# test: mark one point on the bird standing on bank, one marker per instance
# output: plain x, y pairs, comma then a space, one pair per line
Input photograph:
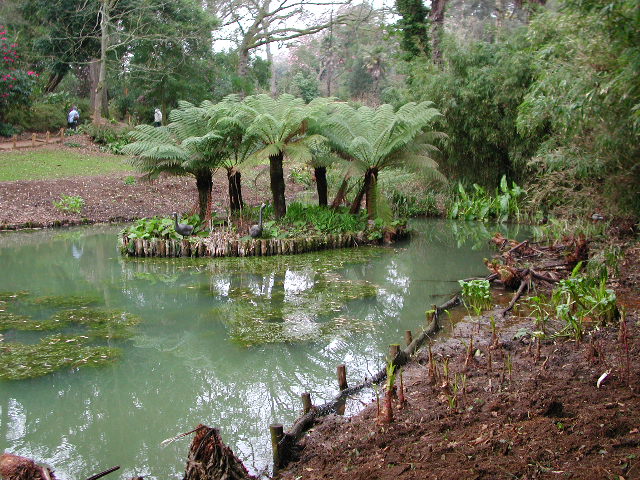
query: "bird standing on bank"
256, 230
182, 228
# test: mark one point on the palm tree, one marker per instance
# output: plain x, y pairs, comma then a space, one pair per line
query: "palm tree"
279, 125
187, 146
376, 139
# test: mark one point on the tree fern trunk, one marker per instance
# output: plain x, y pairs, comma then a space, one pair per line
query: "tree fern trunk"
235, 189
357, 202
342, 193
276, 174
321, 184
204, 183
372, 192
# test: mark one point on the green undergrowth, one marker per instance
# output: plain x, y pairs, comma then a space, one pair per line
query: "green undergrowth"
77, 326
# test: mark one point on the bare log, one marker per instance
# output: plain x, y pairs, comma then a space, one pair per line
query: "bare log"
523, 286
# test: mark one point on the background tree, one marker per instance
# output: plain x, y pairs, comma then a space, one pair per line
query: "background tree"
264, 22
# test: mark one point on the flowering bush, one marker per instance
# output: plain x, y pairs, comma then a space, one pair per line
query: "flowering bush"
16, 84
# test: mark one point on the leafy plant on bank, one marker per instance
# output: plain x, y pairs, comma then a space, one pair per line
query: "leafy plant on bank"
481, 205
584, 300
112, 138
159, 227
476, 295
70, 203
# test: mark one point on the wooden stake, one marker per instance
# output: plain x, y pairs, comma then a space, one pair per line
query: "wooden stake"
15, 142
306, 402
277, 433
61, 134
342, 376
408, 337
48, 137
33, 139
394, 350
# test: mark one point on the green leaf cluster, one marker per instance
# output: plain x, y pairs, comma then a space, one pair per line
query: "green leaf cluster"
478, 204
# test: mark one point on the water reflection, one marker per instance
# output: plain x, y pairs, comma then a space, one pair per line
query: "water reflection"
184, 365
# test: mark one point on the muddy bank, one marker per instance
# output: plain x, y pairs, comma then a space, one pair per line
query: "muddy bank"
493, 402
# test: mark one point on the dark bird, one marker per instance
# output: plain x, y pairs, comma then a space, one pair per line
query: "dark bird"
182, 228
256, 230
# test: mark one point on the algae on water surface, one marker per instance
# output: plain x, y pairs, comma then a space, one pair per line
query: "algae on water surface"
59, 313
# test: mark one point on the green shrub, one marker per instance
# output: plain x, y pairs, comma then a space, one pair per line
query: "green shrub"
158, 227
481, 205
68, 203
584, 298
40, 117
476, 295
112, 138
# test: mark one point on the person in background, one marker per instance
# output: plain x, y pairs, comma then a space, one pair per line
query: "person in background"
73, 118
157, 117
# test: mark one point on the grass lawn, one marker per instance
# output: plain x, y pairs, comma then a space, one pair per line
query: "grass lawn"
44, 164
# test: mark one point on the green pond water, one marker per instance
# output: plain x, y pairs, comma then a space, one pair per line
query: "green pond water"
103, 357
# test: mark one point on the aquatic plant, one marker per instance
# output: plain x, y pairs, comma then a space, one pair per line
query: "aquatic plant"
476, 295
481, 205
19, 361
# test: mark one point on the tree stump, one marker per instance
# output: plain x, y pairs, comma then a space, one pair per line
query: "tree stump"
14, 467
210, 459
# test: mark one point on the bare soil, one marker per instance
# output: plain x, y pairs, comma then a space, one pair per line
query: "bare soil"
519, 412
29, 204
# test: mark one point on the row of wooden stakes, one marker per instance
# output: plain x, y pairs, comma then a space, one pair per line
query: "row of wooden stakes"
234, 247
47, 138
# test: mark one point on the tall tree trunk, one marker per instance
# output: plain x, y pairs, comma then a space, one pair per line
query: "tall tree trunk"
342, 193
321, 184
273, 87
235, 189
98, 105
437, 21
276, 174
372, 184
54, 80
204, 183
243, 69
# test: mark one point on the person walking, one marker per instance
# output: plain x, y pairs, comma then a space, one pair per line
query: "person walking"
157, 117
73, 118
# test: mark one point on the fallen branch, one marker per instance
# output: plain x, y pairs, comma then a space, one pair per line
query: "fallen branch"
103, 473
523, 285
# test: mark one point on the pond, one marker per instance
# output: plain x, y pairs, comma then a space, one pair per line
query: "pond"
231, 343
